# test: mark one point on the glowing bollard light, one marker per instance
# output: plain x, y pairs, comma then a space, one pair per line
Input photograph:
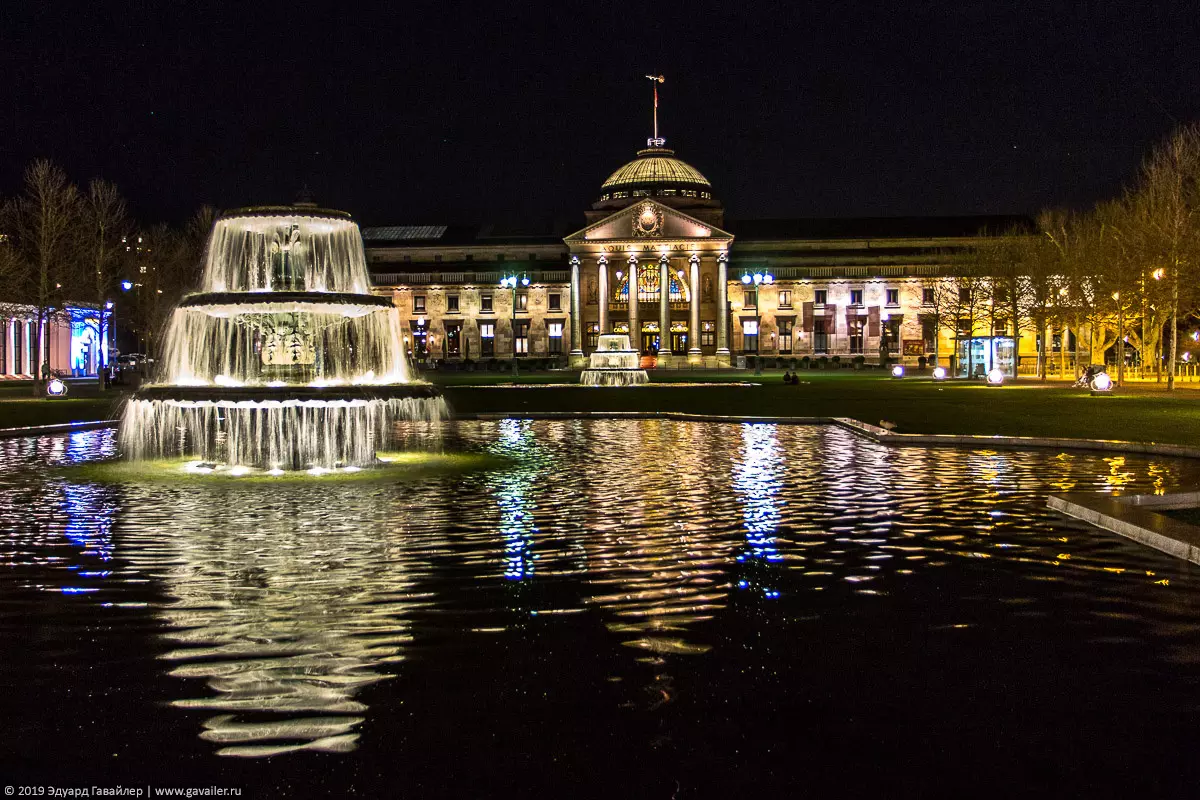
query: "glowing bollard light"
1102, 385
939, 373
897, 371
995, 377
56, 388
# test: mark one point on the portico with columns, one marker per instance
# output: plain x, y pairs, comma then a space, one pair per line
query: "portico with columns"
625, 259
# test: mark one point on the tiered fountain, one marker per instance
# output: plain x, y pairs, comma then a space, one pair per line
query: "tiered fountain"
614, 363
283, 360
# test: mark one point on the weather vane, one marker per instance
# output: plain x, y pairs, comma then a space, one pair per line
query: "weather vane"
657, 141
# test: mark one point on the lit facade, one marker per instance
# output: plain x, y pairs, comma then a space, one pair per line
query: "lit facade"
776, 288
74, 343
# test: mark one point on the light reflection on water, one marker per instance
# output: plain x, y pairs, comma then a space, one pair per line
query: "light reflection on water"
283, 610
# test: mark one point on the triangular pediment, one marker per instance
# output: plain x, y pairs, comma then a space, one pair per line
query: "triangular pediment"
648, 221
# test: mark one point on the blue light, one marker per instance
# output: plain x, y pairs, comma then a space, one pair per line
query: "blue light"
746, 279
126, 285
525, 281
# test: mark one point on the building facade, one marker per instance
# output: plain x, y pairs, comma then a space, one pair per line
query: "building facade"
73, 344
656, 259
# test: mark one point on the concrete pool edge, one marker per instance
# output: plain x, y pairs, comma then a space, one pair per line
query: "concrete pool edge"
65, 427
1130, 516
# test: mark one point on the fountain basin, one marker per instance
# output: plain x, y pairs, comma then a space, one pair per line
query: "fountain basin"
613, 377
614, 363
232, 395
229, 304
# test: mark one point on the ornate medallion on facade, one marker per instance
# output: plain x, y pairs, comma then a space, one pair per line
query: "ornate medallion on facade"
648, 222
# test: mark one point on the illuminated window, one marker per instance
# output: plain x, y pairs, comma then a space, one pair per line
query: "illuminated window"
555, 331
452, 302
855, 325
593, 335
785, 299
522, 340
708, 333
522, 301
453, 339
419, 303
485, 303
487, 338
856, 297
785, 335
750, 335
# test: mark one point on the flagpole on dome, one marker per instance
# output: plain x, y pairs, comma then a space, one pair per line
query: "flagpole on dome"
655, 80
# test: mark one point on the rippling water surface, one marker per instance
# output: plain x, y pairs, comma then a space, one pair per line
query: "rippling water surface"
634, 608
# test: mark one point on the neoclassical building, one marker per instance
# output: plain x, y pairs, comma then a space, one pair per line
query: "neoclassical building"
657, 259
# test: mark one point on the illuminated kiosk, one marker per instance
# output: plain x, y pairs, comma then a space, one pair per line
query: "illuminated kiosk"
614, 363
283, 360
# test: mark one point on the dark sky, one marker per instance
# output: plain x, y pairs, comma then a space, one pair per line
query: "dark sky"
416, 112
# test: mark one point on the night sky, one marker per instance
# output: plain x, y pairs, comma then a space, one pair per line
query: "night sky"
421, 113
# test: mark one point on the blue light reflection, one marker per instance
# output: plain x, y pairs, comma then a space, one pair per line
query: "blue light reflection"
757, 481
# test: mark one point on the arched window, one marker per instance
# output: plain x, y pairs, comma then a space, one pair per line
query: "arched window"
648, 287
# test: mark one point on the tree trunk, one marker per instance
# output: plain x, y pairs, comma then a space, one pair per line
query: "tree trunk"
1120, 345
937, 337
1075, 352
1016, 323
1158, 357
1064, 353
1174, 349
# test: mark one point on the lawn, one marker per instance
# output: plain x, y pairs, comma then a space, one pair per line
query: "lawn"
917, 405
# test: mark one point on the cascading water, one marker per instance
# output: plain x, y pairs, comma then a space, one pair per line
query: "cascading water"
283, 360
614, 363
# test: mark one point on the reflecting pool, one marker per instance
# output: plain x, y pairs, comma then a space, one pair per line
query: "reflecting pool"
637, 608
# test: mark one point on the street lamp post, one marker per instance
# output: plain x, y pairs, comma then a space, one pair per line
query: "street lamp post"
757, 278
511, 282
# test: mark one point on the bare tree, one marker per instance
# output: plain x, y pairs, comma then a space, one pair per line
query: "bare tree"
940, 293
43, 222
1169, 191
105, 223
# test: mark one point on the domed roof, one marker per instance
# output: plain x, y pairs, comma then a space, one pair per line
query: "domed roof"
655, 165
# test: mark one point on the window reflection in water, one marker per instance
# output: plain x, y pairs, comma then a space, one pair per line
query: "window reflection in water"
757, 481
512, 489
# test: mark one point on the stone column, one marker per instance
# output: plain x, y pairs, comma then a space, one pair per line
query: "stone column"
576, 355
664, 305
602, 293
635, 322
694, 327
723, 304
